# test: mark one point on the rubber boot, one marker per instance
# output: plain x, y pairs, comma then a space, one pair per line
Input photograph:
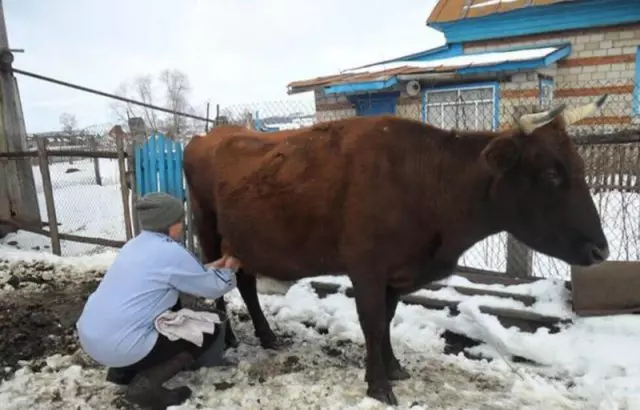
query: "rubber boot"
120, 376
146, 389
214, 355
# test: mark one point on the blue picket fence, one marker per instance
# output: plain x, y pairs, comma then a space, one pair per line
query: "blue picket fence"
159, 166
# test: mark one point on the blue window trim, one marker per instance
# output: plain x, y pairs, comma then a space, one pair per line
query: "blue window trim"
455, 87
541, 19
636, 87
542, 82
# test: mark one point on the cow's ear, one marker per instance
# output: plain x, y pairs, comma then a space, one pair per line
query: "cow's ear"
501, 154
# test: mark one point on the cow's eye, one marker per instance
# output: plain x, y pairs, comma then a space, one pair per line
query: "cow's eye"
552, 177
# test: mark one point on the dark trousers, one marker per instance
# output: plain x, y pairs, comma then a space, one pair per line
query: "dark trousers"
163, 350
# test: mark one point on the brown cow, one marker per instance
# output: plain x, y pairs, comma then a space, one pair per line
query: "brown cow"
392, 202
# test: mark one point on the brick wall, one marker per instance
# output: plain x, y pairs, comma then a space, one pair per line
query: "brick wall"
602, 60
332, 107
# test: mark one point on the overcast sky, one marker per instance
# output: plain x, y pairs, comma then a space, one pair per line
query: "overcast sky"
233, 52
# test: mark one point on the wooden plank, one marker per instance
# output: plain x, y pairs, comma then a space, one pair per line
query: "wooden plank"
19, 184
47, 188
524, 320
519, 258
61, 153
93, 146
124, 191
527, 300
133, 167
64, 236
494, 279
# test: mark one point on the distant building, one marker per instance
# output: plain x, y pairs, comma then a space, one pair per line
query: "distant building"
500, 56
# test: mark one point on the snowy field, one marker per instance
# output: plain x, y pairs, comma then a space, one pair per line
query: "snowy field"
591, 364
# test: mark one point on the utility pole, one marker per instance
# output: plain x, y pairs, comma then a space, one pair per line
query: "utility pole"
18, 198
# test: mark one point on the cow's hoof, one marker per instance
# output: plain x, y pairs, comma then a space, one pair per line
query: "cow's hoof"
397, 372
272, 343
384, 395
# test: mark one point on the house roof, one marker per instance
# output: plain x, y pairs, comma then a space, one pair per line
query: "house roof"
385, 75
452, 10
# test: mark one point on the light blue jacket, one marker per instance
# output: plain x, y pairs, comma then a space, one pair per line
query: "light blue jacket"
116, 327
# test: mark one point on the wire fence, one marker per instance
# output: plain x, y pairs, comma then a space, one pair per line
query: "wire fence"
607, 141
80, 177
87, 191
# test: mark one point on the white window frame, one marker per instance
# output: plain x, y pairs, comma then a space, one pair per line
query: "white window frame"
458, 90
549, 84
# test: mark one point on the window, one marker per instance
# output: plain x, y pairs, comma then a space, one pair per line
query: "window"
470, 108
546, 92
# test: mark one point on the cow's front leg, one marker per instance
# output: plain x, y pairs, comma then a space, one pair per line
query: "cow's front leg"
370, 298
395, 371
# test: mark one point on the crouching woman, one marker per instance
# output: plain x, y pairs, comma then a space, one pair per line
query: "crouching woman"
117, 327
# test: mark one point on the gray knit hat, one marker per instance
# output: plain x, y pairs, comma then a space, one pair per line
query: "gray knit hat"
157, 211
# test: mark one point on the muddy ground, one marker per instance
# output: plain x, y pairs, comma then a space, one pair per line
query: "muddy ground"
40, 303
37, 313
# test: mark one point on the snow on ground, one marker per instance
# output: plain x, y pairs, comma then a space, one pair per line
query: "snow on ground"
591, 364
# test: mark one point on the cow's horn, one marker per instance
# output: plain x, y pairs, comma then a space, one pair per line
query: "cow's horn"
574, 115
529, 122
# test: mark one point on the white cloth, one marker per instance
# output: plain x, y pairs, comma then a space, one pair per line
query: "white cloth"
186, 324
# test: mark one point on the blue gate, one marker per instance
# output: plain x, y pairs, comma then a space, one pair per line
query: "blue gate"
159, 166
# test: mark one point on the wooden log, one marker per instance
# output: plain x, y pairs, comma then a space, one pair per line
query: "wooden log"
65, 236
123, 185
47, 188
61, 153
524, 320
93, 146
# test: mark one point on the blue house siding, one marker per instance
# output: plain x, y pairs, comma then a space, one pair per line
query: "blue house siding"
375, 104
541, 19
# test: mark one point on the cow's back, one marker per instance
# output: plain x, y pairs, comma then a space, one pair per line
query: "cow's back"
278, 200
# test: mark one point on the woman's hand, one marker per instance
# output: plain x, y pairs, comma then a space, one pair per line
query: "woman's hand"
226, 261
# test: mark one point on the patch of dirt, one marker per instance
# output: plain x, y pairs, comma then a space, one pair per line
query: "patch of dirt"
37, 316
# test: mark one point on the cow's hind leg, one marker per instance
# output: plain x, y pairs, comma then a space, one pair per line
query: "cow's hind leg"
371, 305
247, 285
211, 245
395, 371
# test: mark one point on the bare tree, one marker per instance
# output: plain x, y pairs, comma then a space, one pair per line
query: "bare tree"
176, 89
122, 110
68, 122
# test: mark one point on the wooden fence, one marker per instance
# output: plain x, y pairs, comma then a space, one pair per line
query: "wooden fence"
43, 154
